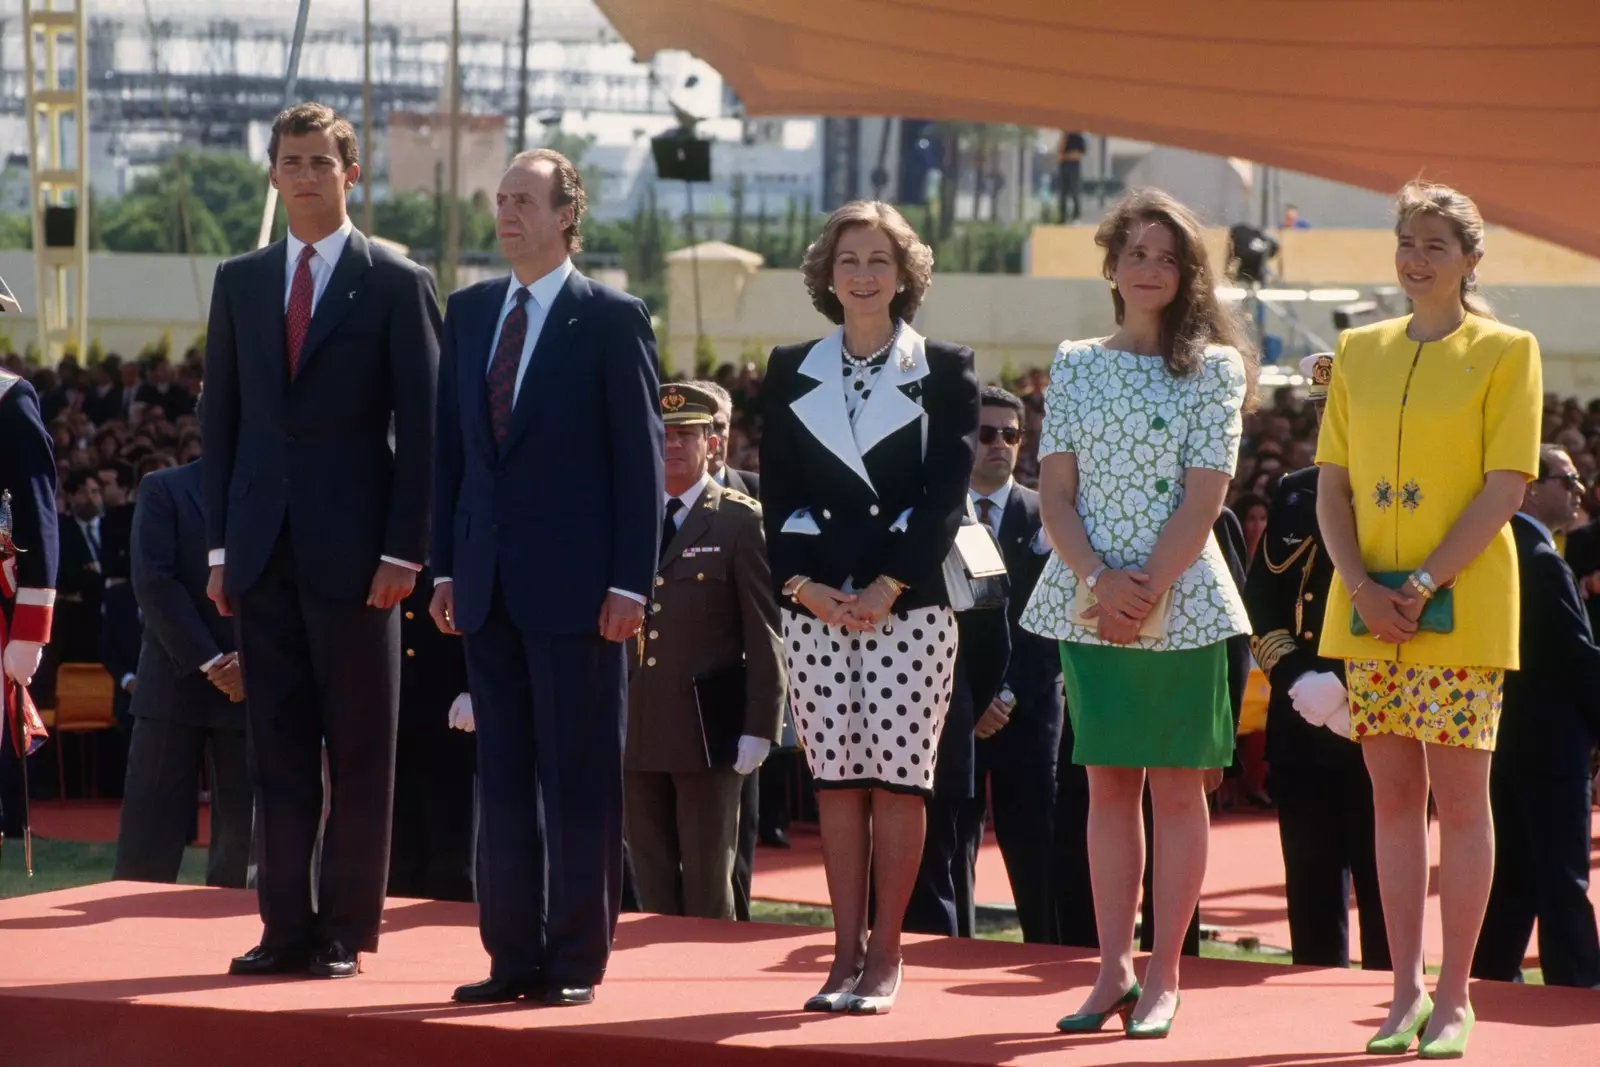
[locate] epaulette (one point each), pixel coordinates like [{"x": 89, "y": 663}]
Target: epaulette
[{"x": 740, "y": 498}]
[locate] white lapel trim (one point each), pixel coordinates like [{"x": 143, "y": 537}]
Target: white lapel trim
[
  {"x": 888, "y": 408},
  {"x": 822, "y": 411}
]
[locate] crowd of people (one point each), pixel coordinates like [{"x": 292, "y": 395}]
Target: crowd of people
[{"x": 1045, "y": 596}]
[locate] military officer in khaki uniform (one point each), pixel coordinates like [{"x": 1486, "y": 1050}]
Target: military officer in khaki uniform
[{"x": 706, "y": 680}]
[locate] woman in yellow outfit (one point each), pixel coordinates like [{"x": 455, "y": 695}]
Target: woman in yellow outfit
[{"x": 1431, "y": 433}]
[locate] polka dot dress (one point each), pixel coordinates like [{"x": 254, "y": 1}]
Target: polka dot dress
[
  {"x": 858, "y": 382},
  {"x": 869, "y": 706}
]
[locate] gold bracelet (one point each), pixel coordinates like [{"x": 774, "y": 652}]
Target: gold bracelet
[
  {"x": 895, "y": 585},
  {"x": 1357, "y": 590},
  {"x": 792, "y": 587}
]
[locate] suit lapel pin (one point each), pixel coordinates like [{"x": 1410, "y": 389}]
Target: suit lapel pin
[
  {"x": 352, "y": 294},
  {"x": 572, "y": 322}
]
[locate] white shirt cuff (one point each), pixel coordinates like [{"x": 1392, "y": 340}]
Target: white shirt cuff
[
  {"x": 216, "y": 557},
  {"x": 437, "y": 582},
  {"x": 402, "y": 563},
  {"x": 635, "y": 597},
  {"x": 212, "y": 662},
  {"x": 126, "y": 678}
]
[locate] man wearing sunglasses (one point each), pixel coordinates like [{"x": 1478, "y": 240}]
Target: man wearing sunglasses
[
  {"x": 1539, "y": 787},
  {"x": 1019, "y": 733}
]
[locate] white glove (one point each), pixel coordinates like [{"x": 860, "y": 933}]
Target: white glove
[
  {"x": 752, "y": 754},
  {"x": 1319, "y": 697},
  {"x": 461, "y": 714},
  {"x": 22, "y": 660},
  {"x": 1340, "y": 723}
]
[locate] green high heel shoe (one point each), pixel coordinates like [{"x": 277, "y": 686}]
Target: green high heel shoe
[
  {"x": 1399, "y": 1042},
  {"x": 1088, "y": 1022},
  {"x": 1151, "y": 1030},
  {"x": 1453, "y": 1049}
]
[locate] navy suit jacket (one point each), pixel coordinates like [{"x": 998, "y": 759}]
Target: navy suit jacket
[
  {"x": 1034, "y": 732},
  {"x": 571, "y": 505},
  {"x": 182, "y": 630},
  {"x": 316, "y": 452},
  {"x": 1551, "y": 718}
]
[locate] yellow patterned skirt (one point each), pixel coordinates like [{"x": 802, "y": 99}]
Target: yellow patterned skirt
[{"x": 1457, "y": 706}]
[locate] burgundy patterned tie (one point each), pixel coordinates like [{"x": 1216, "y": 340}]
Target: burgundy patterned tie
[
  {"x": 502, "y": 382},
  {"x": 298, "y": 318},
  {"x": 986, "y": 511}
]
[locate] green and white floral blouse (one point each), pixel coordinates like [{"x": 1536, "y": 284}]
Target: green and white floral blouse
[{"x": 1135, "y": 430}]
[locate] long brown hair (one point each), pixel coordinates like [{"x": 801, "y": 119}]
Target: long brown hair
[
  {"x": 1195, "y": 318},
  {"x": 1419, "y": 197}
]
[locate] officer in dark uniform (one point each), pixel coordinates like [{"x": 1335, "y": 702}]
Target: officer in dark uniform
[
  {"x": 29, "y": 543},
  {"x": 1324, "y": 795},
  {"x": 706, "y": 678},
  {"x": 430, "y": 854}
]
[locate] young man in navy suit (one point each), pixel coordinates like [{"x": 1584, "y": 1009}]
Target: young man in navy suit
[
  {"x": 546, "y": 568},
  {"x": 321, "y": 355}
]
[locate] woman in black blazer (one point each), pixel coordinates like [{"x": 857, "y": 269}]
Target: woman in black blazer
[{"x": 866, "y": 452}]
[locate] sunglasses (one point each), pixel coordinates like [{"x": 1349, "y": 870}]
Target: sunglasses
[
  {"x": 1009, "y": 434},
  {"x": 1570, "y": 480}
]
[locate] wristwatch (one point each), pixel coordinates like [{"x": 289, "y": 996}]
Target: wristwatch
[
  {"x": 1007, "y": 697},
  {"x": 1423, "y": 583},
  {"x": 1094, "y": 579},
  {"x": 792, "y": 587}
]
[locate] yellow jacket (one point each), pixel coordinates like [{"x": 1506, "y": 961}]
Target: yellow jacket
[{"x": 1418, "y": 426}]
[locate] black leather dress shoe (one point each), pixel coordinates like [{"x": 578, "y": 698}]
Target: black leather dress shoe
[
  {"x": 568, "y": 996},
  {"x": 333, "y": 960},
  {"x": 262, "y": 960},
  {"x": 775, "y": 838},
  {"x": 499, "y": 991}
]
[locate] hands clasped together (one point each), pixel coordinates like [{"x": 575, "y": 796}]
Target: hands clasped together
[
  {"x": 1124, "y": 600},
  {"x": 856, "y": 612},
  {"x": 1390, "y": 614}
]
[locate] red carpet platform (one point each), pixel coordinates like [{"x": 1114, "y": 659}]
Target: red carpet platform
[{"x": 126, "y": 974}]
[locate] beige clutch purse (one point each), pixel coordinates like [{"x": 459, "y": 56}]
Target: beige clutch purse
[{"x": 1153, "y": 627}]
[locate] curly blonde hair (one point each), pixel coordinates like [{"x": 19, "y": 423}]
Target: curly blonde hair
[{"x": 913, "y": 259}]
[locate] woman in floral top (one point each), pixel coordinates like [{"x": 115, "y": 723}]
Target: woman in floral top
[{"x": 1140, "y": 440}]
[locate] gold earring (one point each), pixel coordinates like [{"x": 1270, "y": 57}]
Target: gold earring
[{"x": 1113, "y": 284}]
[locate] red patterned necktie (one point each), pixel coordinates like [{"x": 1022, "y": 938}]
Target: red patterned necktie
[
  {"x": 298, "y": 318},
  {"x": 502, "y": 381},
  {"x": 985, "y": 511}
]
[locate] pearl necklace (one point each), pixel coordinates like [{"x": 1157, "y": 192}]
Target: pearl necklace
[{"x": 866, "y": 361}]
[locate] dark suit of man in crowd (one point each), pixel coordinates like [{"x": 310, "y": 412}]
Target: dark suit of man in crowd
[
  {"x": 187, "y": 698},
  {"x": 1019, "y": 732},
  {"x": 1539, "y": 785},
  {"x": 705, "y": 696},
  {"x": 317, "y": 520},
  {"x": 430, "y": 854},
  {"x": 80, "y": 588},
  {"x": 546, "y": 565}
]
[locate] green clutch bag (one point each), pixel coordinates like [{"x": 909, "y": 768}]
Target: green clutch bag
[{"x": 1438, "y": 615}]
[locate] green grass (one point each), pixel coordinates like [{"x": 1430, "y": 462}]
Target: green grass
[{"x": 65, "y": 864}]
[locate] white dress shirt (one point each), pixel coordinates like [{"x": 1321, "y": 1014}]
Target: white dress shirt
[
  {"x": 541, "y": 294},
  {"x": 688, "y": 498},
  {"x": 1000, "y": 497},
  {"x": 329, "y": 249}
]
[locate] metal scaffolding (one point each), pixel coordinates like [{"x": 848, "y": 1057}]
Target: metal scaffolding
[{"x": 58, "y": 149}]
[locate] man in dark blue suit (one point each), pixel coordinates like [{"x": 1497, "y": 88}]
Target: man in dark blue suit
[
  {"x": 321, "y": 356},
  {"x": 1018, "y": 734},
  {"x": 186, "y": 697},
  {"x": 1539, "y": 785},
  {"x": 546, "y": 567}
]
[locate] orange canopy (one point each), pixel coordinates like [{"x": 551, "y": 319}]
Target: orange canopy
[{"x": 1501, "y": 99}]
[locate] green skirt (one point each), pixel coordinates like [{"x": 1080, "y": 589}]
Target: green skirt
[{"x": 1131, "y": 707}]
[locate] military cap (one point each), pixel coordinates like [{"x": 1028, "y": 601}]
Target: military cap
[
  {"x": 1317, "y": 370},
  {"x": 683, "y": 404}
]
